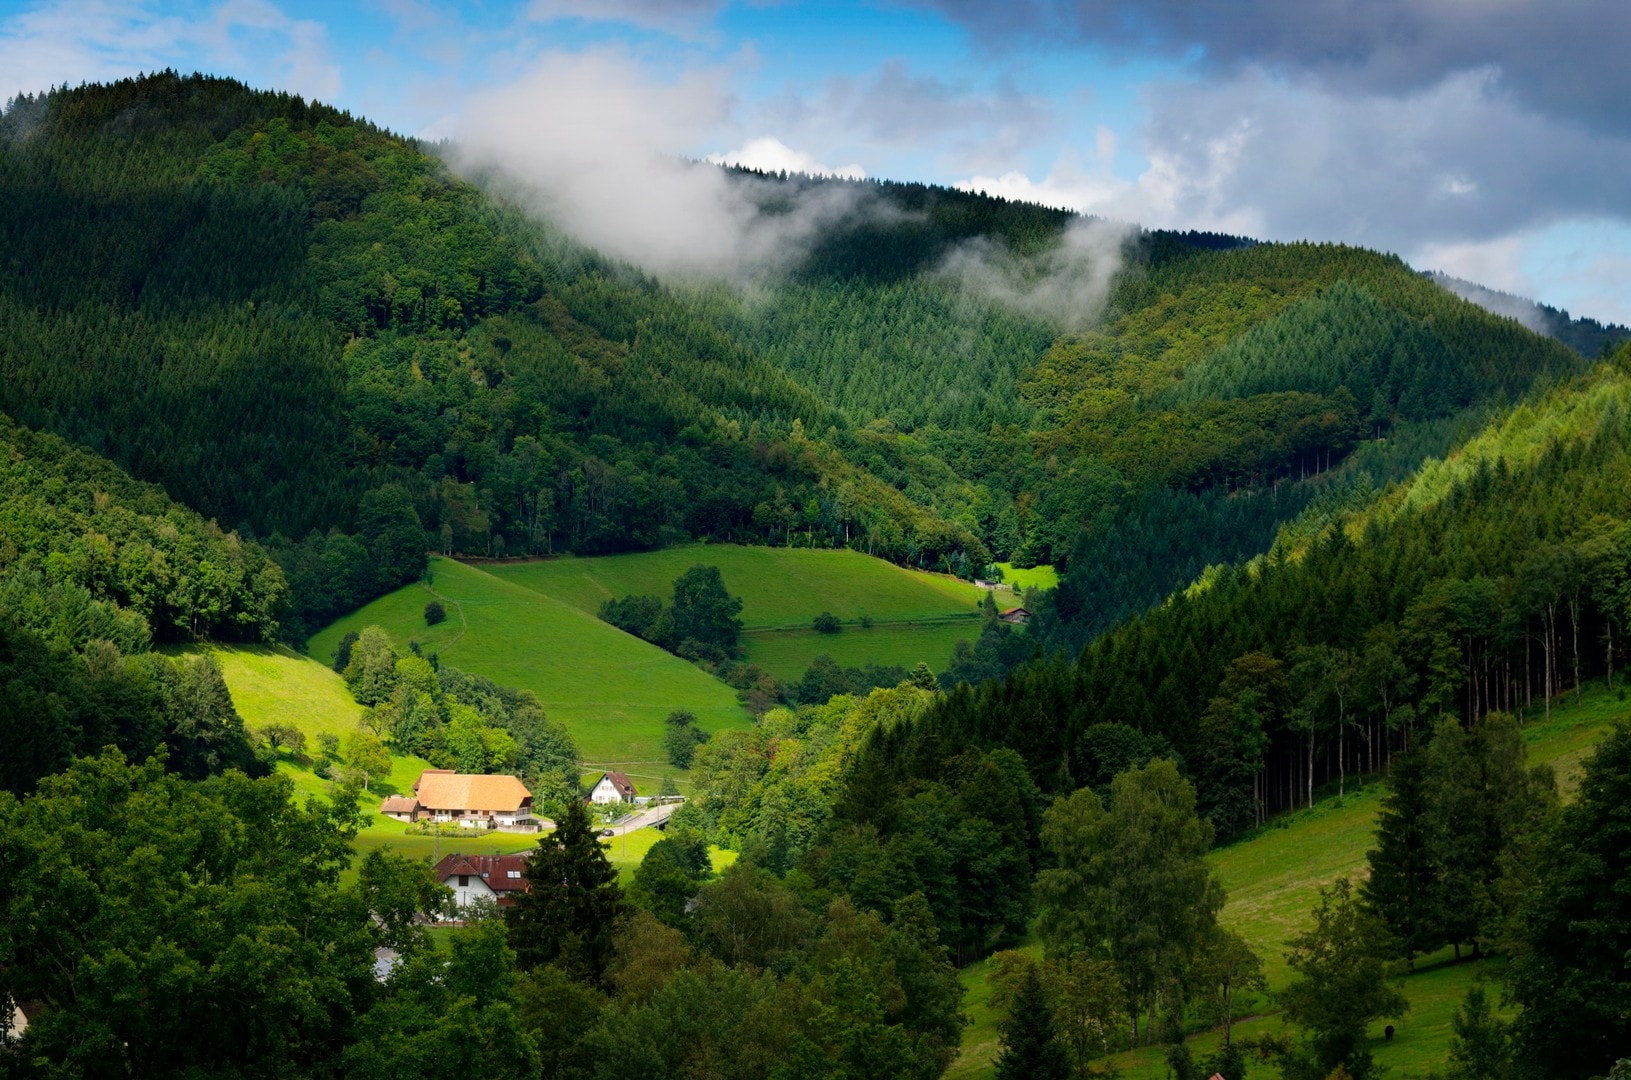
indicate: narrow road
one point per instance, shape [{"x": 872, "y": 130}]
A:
[{"x": 643, "y": 819}]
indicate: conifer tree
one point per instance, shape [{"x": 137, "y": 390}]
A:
[
  {"x": 571, "y": 902},
  {"x": 1031, "y": 1049},
  {"x": 1400, "y": 889}
]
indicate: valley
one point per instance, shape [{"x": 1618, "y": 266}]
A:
[{"x": 329, "y": 456}]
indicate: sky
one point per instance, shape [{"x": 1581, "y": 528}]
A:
[{"x": 1488, "y": 139}]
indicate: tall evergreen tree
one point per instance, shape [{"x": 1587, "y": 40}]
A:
[
  {"x": 1031, "y": 1049},
  {"x": 1400, "y": 889},
  {"x": 1570, "y": 974},
  {"x": 572, "y": 900}
]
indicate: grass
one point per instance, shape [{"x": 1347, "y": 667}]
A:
[
  {"x": 779, "y": 587},
  {"x": 1037, "y": 577},
  {"x": 611, "y": 690},
  {"x": 1273, "y": 879},
  {"x": 914, "y": 616},
  {"x": 786, "y": 654}
]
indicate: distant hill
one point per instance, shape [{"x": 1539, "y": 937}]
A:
[{"x": 1584, "y": 335}]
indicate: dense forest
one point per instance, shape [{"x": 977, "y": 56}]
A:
[{"x": 1317, "y": 517}]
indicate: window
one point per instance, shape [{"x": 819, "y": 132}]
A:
[
  {"x": 464, "y": 881},
  {"x": 515, "y": 873}
]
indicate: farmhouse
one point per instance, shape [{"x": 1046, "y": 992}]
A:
[
  {"x": 466, "y": 799},
  {"x": 1016, "y": 615},
  {"x": 612, "y": 787},
  {"x": 400, "y": 807},
  {"x": 475, "y": 877}
]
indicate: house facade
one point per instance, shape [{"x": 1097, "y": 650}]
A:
[
  {"x": 499, "y": 878},
  {"x": 466, "y": 799},
  {"x": 612, "y": 787}
]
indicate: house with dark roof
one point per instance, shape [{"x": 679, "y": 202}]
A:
[
  {"x": 499, "y": 878},
  {"x": 610, "y": 788},
  {"x": 1016, "y": 615}
]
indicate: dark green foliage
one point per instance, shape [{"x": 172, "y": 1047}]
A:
[
  {"x": 435, "y": 613},
  {"x": 1129, "y": 880},
  {"x": 704, "y": 612},
  {"x": 1030, "y": 1046},
  {"x": 86, "y": 915},
  {"x": 342, "y": 651},
  {"x": 465, "y": 998},
  {"x": 681, "y": 738},
  {"x": 824, "y": 680},
  {"x": 826, "y": 623},
  {"x": 1403, "y": 879},
  {"x": 572, "y": 899},
  {"x": 643, "y": 616},
  {"x": 963, "y": 834},
  {"x": 1574, "y": 927}
]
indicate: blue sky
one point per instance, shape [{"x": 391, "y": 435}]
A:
[{"x": 1488, "y": 140}]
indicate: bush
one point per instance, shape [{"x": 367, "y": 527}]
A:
[
  {"x": 435, "y": 613},
  {"x": 826, "y": 623}
]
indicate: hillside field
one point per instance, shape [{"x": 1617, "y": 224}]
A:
[
  {"x": 915, "y": 616},
  {"x": 611, "y": 690},
  {"x": 1273, "y": 879}
]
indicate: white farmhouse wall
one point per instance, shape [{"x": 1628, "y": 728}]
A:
[{"x": 475, "y": 887}]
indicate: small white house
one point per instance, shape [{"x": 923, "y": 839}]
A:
[
  {"x": 612, "y": 787},
  {"x": 473, "y": 877}
]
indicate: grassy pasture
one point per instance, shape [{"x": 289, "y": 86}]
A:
[
  {"x": 786, "y": 654},
  {"x": 779, "y": 587},
  {"x": 1273, "y": 879},
  {"x": 915, "y": 616},
  {"x": 609, "y": 689},
  {"x": 1037, "y": 577}
]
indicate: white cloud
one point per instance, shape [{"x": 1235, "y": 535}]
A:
[
  {"x": 769, "y": 154},
  {"x": 1067, "y": 285},
  {"x": 596, "y": 142}
]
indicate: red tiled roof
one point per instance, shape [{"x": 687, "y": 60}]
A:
[
  {"x": 624, "y": 786},
  {"x": 493, "y": 869},
  {"x": 399, "y": 804}
]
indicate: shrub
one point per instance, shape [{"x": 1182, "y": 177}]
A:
[
  {"x": 434, "y": 613},
  {"x": 826, "y": 623}
]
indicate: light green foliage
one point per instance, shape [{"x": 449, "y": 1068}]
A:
[
  {"x": 372, "y": 671},
  {"x": 771, "y": 789}
]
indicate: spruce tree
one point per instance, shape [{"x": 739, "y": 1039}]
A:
[
  {"x": 572, "y": 899},
  {"x": 1031, "y": 1049},
  {"x": 1400, "y": 889}
]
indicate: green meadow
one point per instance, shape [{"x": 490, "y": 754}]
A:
[
  {"x": 1273, "y": 878},
  {"x": 1035, "y": 577},
  {"x": 611, "y": 690},
  {"x": 914, "y": 616}
]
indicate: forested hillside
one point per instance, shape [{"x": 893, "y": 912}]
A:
[
  {"x": 1495, "y": 580},
  {"x": 95, "y": 569},
  {"x": 312, "y": 331}
]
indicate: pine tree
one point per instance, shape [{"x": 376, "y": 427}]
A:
[
  {"x": 1031, "y": 1049},
  {"x": 572, "y": 899}
]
